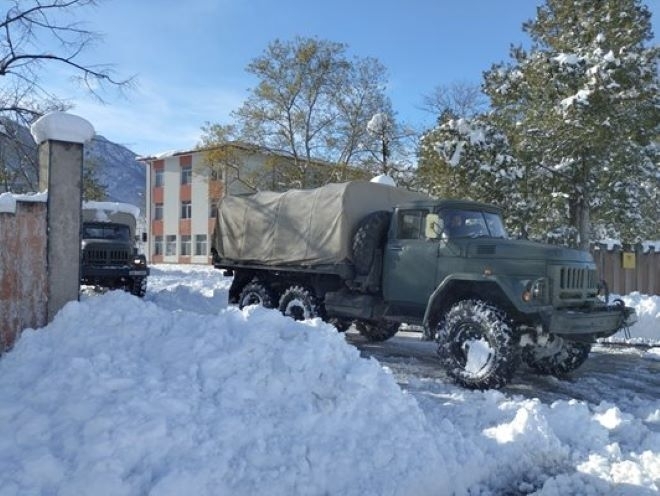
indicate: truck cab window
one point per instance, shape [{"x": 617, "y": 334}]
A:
[
  {"x": 460, "y": 223},
  {"x": 410, "y": 224}
]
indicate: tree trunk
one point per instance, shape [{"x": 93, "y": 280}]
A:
[{"x": 583, "y": 223}]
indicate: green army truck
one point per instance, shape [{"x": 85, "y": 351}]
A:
[
  {"x": 377, "y": 256},
  {"x": 109, "y": 248}
]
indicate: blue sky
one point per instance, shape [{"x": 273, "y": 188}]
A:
[{"x": 189, "y": 57}]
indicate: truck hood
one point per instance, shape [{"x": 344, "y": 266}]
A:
[{"x": 524, "y": 250}]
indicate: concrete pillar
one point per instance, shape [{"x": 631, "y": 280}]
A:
[{"x": 60, "y": 137}]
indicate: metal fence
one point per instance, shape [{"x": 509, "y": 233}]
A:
[{"x": 629, "y": 269}]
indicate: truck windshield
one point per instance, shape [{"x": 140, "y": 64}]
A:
[
  {"x": 109, "y": 232},
  {"x": 472, "y": 224}
]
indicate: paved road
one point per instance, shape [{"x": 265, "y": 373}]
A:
[{"x": 624, "y": 376}]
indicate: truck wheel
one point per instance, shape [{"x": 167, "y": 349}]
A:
[
  {"x": 477, "y": 345},
  {"x": 138, "y": 287},
  {"x": 298, "y": 303},
  {"x": 368, "y": 237},
  {"x": 558, "y": 357},
  {"x": 342, "y": 325},
  {"x": 377, "y": 331},
  {"x": 255, "y": 293}
]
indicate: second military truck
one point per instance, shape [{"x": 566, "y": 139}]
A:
[
  {"x": 110, "y": 258},
  {"x": 377, "y": 256}
]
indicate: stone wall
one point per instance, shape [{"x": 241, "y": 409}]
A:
[{"x": 23, "y": 270}]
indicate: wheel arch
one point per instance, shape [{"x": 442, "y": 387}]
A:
[{"x": 457, "y": 288}]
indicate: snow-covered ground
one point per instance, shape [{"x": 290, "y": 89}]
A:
[{"x": 180, "y": 394}]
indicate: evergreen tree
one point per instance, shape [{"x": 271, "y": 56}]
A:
[
  {"x": 580, "y": 109},
  {"x": 469, "y": 158},
  {"x": 92, "y": 188}
]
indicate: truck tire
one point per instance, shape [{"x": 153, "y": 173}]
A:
[
  {"x": 369, "y": 236},
  {"x": 477, "y": 345},
  {"x": 558, "y": 357},
  {"x": 377, "y": 331},
  {"x": 138, "y": 286},
  {"x": 342, "y": 325},
  {"x": 298, "y": 303},
  {"x": 256, "y": 293}
]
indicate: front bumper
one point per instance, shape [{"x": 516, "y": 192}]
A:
[
  {"x": 113, "y": 272},
  {"x": 599, "y": 322}
]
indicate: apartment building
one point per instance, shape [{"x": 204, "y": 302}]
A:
[{"x": 179, "y": 207}]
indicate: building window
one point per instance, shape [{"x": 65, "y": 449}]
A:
[
  {"x": 200, "y": 245},
  {"x": 158, "y": 178},
  {"x": 158, "y": 245},
  {"x": 185, "y": 246},
  {"x": 170, "y": 244},
  {"x": 213, "y": 210},
  {"x": 158, "y": 211},
  {"x": 186, "y": 175},
  {"x": 186, "y": 209}
]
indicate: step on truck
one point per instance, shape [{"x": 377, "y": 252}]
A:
[
  {"x": 376, "y": 256},
  {"x": 110, "y": 257}
]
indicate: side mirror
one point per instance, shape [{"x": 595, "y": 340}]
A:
[{"x": 434, "y": 226}]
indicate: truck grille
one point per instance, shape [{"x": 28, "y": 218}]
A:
[
  {"x": 576, "y": 284},
  {"x": 105, "y": 256}
]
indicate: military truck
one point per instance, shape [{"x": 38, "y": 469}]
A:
[
  {"x": 377, "y": 256},
  {"x": 110, "y": 258}
]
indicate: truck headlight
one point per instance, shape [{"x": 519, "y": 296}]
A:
[
  {"x": 535, "y": 290},
  {"x": 139, "y": 261}
]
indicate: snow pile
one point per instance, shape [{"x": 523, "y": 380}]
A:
[
  {"x": 61, "y": 126},
  {"x": 7, "y": 203},
  {"x": 179, "y": 394},
  {"x": 8, "y": 200},
  {"x": 383, "y": 179},
  {"x": 647, "y": 328},
  {"x": 143, "y": 400},
  {"x": 105, "y": 209},
  {"x": 505, "y": 444}
]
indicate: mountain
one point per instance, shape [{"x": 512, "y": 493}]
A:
[
  {"x": 114, "y": 166},
  {"x": 117, "y": 169}
]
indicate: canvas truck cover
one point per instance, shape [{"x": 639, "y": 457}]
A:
[{"x": 300, "y": 227}]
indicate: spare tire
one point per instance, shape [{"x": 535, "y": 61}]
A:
[{"x": 369, "y": 236}]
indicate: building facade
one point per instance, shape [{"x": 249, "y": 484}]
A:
[
  {"x": 182, "y": 192},
  {"x": 179, "y": 208}
]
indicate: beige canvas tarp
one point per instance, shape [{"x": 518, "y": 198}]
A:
[{"x": 300, "y": 227}]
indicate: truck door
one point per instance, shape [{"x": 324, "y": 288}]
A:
[{"x": 410, "y": 263}]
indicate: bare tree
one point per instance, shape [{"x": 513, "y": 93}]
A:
[
  {"x": 460, "y": 98},
  {"x": 35, "y": 33},
  {"x": 313, "y": 103}
]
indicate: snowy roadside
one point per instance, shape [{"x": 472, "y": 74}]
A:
[
  {"x": 646, "y": 331},
  {"x": 181, "y": 394}
]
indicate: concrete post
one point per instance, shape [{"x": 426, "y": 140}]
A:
[{"x": 60, "y": 137}]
